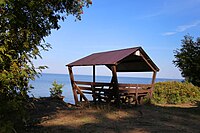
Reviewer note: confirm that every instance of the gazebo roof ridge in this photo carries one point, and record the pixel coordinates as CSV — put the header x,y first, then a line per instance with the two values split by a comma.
x,y
139,47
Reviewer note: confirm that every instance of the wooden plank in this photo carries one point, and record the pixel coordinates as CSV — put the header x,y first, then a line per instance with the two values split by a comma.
x,y
80,98
83,82
136,96
81,93
129,89
121,86
152,83
93,73
115,83
73,85
133,85
134,91
148,63
102,97
142,94
99,88
89,92
153,78
85,92
93,87
102,84
143,91
85,88
91,83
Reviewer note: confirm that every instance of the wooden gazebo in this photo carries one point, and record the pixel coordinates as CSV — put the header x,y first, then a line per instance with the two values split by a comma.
x,y
125,60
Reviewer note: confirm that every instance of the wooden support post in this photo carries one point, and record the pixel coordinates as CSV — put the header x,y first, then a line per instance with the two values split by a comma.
x,y
93,85
81,93
73,85
93,73
80,98
136,95
115,84
111,83
152,83
109,92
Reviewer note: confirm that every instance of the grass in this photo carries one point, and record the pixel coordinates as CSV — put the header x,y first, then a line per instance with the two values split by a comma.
x,y
53,116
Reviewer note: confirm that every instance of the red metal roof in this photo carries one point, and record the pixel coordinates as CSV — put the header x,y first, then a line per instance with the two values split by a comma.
x,y
121,57
103,58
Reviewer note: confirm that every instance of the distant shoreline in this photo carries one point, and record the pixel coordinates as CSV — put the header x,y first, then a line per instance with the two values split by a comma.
x,y
171,79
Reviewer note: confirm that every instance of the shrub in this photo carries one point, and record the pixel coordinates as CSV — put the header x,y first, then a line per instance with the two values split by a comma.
x,y
175,93
13,115
187,59
56,90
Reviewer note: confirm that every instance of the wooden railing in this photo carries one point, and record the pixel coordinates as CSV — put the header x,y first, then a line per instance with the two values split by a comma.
x,y
100,91
133,88
105,92
134,92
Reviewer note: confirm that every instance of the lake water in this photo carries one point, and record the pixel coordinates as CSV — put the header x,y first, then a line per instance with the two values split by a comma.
x,y
41,85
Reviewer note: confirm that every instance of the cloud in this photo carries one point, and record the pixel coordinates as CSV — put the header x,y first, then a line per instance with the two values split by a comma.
x,y
182,28
185,27
169,33
151,15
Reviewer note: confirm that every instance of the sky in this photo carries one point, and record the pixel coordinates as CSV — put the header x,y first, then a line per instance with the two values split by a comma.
x,y
158,26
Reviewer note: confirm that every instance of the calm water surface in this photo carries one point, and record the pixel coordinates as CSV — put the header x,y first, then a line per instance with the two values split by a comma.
x,y
41,85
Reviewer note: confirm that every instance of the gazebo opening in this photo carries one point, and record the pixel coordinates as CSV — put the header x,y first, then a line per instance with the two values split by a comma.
x,y
125,60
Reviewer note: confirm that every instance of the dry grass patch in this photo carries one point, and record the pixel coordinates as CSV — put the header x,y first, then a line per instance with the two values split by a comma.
x,y
108,119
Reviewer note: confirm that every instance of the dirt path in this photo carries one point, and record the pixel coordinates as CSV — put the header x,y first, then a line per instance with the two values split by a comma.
x,y
52,116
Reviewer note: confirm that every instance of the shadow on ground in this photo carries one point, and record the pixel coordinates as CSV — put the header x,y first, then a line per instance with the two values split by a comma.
x,y
54,116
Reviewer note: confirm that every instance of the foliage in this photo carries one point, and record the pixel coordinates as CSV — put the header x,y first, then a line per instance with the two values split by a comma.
x,y
23,26
56,90
175,93
188,59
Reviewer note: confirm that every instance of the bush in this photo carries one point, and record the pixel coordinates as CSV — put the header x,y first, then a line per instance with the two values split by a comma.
x,y
13,115
175,93
56,90
187,59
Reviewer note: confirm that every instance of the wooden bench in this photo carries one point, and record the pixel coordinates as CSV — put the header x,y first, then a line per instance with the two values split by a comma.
x,y
134,91
104,92
99,91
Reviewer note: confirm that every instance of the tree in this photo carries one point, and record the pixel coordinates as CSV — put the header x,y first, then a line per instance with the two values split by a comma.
x,y
23,26
188,59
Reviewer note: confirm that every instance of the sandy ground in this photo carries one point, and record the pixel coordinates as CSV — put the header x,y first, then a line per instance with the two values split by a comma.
x,y
53,116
